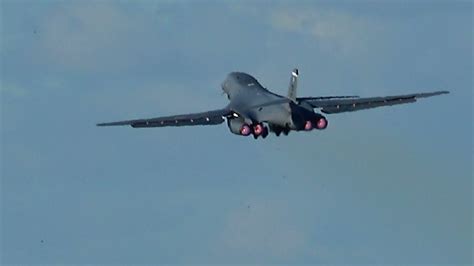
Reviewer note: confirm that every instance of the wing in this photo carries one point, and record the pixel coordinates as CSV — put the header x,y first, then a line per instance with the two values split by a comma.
x,y
339,105
308,99
205,118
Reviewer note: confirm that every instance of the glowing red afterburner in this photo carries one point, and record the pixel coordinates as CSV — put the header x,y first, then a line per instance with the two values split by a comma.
x,y
321,123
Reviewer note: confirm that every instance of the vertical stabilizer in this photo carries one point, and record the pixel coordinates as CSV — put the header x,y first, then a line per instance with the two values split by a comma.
x,y
293,85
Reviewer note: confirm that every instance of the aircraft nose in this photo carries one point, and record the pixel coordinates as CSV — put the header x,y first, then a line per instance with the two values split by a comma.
x,y
225,86
225,89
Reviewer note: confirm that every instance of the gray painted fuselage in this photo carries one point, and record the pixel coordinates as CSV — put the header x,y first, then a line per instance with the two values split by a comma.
x,y
245,92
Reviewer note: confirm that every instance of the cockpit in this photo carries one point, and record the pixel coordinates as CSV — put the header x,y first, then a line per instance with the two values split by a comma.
x,y
237,81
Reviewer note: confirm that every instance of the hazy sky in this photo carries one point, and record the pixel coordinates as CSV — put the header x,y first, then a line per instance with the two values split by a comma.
x,y
387,185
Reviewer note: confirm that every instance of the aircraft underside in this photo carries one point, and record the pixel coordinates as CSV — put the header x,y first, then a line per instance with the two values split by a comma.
x,y
254,110
239,126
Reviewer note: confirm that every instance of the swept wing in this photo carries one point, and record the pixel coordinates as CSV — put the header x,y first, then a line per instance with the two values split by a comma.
x,y
338,105
205,118
213,117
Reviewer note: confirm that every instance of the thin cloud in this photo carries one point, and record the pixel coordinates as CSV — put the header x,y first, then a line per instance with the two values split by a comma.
x,y
342,31
12,90
263,230
90,35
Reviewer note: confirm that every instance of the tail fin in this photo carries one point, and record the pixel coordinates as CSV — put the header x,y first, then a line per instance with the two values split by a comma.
x,y
293,85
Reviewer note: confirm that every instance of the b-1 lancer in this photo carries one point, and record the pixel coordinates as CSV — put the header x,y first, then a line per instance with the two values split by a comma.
x,y
254,110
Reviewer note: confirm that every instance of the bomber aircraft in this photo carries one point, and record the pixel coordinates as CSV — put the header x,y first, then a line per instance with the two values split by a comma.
x,y
254,110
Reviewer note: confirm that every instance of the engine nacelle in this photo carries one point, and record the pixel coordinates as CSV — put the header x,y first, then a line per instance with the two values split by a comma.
x,y
321,122
318,122
238,126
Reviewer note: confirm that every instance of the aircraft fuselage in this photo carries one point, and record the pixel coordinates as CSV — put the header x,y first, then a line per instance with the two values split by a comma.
x,y
244,92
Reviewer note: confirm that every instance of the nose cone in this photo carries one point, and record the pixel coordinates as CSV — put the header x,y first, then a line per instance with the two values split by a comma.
x,y
228,85
225,87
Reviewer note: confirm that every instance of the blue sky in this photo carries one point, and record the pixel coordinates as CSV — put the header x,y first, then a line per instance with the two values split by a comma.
x,y
387,185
